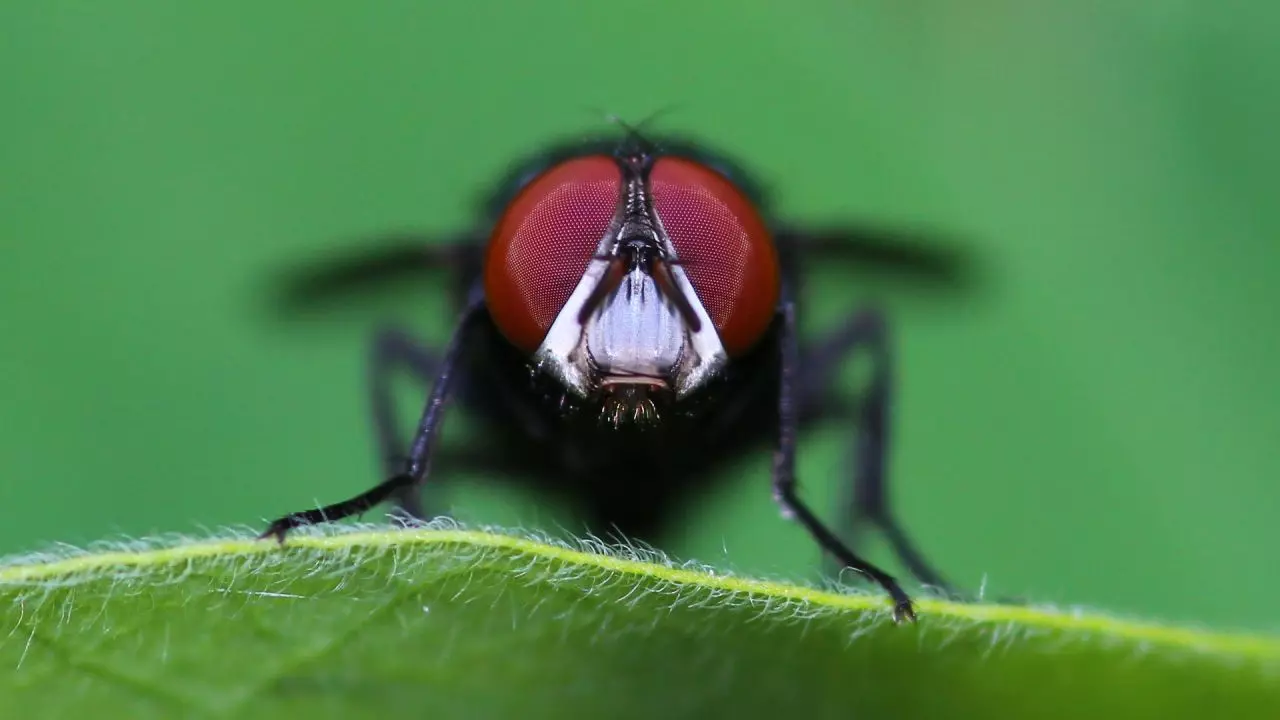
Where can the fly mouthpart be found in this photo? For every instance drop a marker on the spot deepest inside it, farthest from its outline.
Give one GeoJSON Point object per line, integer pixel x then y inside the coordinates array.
{"type": "Point", "coordinates": [629, 399]}
{"type": "Point", "coordinates": [656, 383]}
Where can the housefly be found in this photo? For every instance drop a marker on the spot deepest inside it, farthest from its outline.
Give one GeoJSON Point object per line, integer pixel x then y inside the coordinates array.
{"type": "Point", "coordinates": [627, 323]}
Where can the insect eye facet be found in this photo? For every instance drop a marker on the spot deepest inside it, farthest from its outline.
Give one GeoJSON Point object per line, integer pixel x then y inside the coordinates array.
{"type": "Point", "coordinates": [541, 246]}
{"type": "Point", "coordinates": [724, 248]}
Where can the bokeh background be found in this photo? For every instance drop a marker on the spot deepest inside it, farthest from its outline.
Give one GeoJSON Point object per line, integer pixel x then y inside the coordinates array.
{"type": "Point", "coordinates": [1093, 423]}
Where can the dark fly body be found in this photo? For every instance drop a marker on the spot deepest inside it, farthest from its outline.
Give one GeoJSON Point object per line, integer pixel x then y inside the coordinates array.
{"type": "Point", "coordinates": [628, 324]}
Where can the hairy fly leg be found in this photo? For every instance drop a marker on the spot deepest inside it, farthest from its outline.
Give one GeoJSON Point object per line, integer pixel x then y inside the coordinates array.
{"type": "Point", "coordinates": [418, 463]}
{"type": "Point", "coordinates": [784, 467]}
{"type": "Point", "coordinates": [868, 500]}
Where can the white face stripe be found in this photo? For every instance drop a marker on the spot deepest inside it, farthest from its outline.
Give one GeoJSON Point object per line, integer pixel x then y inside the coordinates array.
{"type": "Point", "coordinates": [558, 352]}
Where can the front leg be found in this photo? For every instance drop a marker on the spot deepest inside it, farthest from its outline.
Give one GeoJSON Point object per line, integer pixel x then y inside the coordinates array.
{"type": "Point", "coordinates": [784, 478]}
{"type": "Point", "coordinates": [392, 350]}
{"type": "Point", "coordinates": [414, 471]}
{"type": "Point", "coordinates": [869, 492]}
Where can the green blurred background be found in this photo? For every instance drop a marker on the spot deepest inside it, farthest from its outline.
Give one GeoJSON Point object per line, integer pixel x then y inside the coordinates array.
{"type": "Point", "coordinates": [1092, 425]}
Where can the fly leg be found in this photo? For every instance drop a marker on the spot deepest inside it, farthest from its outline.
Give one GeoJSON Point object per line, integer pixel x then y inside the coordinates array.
{"type": "Point", "coordinates": [409, 477]}
{"type": "Point", "coordinates": [784, 467]}
{"type": "Point", "coordinates": [393, 350]}
{"type": "Point", "coordinates": [868, 498]}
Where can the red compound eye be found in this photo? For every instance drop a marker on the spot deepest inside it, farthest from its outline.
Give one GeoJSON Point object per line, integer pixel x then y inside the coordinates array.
{"type": "Point", "coordinates": [541, 247]}
{"type": "Point", "coordinates": [723, 246]}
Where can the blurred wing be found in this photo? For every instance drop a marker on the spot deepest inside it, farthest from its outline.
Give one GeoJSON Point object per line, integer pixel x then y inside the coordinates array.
{"type": "Point", "coordinates": [917, 258]}
{"type": "Point", "coordinates": [388, 264]}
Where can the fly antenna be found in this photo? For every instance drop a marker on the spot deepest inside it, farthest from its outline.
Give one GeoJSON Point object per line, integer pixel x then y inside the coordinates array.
{"type": "Point", "coordinates": [636, 133]}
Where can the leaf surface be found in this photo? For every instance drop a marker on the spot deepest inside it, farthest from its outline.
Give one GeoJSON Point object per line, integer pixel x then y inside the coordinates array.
{"type": "Point", "coordinates": [443, 622]}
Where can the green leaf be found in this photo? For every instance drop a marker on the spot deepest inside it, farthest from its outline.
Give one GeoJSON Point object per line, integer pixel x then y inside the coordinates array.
{"type": "Point", "coordinates": [443, 622]}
